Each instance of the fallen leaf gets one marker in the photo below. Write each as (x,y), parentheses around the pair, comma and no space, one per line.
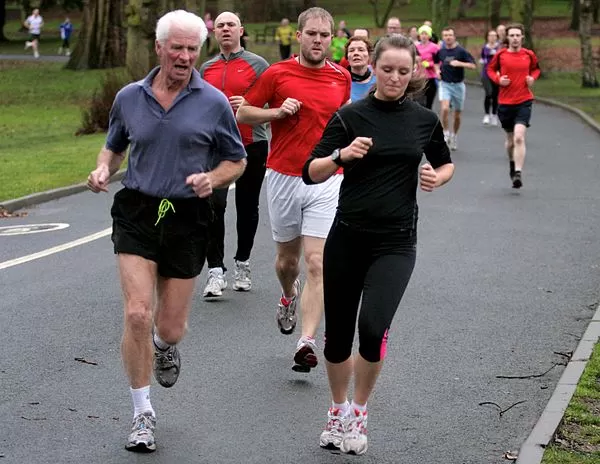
(511,456)
(93,417)
(34,403)
(115,418)
(72,409)
(85,361)
(33,418)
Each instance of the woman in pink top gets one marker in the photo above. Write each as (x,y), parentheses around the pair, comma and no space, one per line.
(210,26)
(429,63)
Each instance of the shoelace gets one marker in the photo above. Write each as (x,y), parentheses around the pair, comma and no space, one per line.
(163,209)
(164,355)
(143,423)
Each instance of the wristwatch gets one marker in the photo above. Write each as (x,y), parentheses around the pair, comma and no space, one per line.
(336,157)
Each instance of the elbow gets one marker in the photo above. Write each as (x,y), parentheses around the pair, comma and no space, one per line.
(306,173)
(240,115)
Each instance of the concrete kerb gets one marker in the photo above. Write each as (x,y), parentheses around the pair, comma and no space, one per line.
(532,451)
(49,195)
(550,102)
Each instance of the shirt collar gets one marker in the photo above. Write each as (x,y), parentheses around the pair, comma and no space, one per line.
(196,81)
(233,55)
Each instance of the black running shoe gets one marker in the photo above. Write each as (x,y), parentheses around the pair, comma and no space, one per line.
(517,182)
(512,170)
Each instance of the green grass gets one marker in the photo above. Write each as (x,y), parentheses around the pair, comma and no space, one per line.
(41,111)
(577,440)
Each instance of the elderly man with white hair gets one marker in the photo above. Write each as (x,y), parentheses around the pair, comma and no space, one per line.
(183,143)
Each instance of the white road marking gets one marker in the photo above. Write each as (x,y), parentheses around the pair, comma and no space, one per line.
(56,249)
(32,228)
(63,247)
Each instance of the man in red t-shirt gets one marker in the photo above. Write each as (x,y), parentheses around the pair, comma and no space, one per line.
(302,94)
(515,70)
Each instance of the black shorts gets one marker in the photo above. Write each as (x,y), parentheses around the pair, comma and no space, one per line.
(510,115)
(33,37)
(177,244)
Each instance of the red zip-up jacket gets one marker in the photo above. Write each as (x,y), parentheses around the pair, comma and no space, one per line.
(517,66)
(234,76)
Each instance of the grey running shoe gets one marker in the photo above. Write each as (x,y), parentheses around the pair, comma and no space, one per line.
(517,181)
(286,311)
(167,365)
(141,438)
(215,284)
(242,282)
(331,437)
(355,434)
(453,142)
(305,358)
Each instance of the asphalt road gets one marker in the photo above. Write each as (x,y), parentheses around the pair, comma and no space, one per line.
(503,280)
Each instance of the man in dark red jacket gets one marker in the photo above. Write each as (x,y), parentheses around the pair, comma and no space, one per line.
(515,70)
(233,71)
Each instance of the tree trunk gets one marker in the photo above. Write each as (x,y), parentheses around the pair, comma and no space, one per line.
(526,14)
(575,13)
(495,12)
(3,38)
(226,5)
(463,6)
(101,42)
(440,12)
(380,21)
(596,6)
(142,16)
(588,75)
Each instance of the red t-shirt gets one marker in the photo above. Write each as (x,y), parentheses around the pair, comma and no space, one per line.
(322,92)
(517,66)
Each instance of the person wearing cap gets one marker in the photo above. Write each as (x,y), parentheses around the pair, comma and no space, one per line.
(429,63)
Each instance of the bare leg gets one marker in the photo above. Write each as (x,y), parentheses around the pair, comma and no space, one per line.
(312,294)
(339,375)
(138,279)
(174,302)
(365,376)
(519,146)
(287,264)
(509,145)
(444,112)
(457,120)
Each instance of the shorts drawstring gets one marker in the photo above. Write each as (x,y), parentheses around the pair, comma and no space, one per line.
(163,209)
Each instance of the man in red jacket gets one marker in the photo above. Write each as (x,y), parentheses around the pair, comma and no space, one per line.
(233,71)
(515,70)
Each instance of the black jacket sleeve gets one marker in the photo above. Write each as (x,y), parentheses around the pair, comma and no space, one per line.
(335,135)
(436,151)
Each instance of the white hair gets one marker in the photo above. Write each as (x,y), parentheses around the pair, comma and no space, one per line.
(182,20)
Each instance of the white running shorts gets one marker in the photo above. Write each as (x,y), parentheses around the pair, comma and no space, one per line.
(297,209)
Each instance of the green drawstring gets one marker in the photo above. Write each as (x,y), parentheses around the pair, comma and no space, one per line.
(163,208)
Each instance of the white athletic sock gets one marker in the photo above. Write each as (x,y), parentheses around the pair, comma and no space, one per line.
(343,407)
(141,400)
(305,339)
(361,408)
(161,345)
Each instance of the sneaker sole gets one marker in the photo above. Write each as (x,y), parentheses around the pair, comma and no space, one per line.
(329,446)
(517,184)
(305,359)
(241,289)
(141,448)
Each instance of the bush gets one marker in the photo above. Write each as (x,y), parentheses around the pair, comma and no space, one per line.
(94,118)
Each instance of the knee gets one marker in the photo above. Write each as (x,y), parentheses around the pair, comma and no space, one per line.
(519,139)
(372,343)
(337,349)
(172,334)
(314,265)
(285,262)
(138,318)
(509,143)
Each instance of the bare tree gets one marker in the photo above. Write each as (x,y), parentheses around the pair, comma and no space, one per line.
(440,10)
(464,6)
(381,20)
(575,14)
(3,38)
(495,11)
(101,43)
(588,75)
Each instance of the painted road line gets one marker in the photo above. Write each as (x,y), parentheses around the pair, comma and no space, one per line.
(56,249)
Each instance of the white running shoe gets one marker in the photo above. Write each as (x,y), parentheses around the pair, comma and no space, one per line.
(141,438)
(215,284)
(486,120)
(355,433)
(28,44)
(305,358)
(36,55)
(453,142)
(494,120)
(242,282)
(332,436)
(447,137)
(286,311)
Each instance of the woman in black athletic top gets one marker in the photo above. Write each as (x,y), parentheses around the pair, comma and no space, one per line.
(371,248)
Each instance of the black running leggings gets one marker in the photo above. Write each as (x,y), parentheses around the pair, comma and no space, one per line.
(491,95)
(430,92)
(374,265)
(247,196)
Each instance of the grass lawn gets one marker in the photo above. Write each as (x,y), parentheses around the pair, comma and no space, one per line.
(41,111)
(577,440)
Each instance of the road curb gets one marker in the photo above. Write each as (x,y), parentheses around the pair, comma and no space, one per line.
(532,451)
(550,102)
(49,195)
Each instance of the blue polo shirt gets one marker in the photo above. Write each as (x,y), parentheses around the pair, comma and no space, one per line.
(194,135)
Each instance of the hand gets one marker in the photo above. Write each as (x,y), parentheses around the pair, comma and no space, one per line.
(288,108)
(98,179)
(455,63)
(236,101)
(529,80)
(357,149)
(504,81)
(428,178)
(425,64)
(201,184)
